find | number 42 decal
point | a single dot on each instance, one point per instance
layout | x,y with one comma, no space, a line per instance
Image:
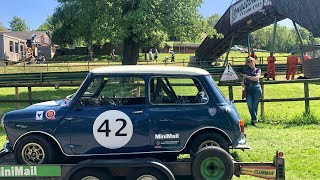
105,127
112,129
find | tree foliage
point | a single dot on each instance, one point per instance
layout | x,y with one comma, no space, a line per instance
212,20
18,24
47,25
136,23
2,28
287,39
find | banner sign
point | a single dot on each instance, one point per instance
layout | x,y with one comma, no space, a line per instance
30,171
245,8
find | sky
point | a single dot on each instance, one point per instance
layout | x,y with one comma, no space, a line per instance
35,12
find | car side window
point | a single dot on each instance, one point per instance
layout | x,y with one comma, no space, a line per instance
177,90
115,91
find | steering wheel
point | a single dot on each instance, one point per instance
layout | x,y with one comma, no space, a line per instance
107,100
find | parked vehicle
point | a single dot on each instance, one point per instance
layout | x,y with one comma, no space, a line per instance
128,110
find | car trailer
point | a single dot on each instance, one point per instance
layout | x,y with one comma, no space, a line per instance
209,163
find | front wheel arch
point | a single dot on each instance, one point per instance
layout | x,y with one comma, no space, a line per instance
55,144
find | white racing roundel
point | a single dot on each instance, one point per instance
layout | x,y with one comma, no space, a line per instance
112,129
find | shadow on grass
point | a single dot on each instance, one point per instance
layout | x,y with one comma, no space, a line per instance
302,119
236,156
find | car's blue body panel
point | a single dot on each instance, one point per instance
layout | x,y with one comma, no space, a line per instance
154,128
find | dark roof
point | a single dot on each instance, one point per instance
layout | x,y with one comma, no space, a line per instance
185,45
23,35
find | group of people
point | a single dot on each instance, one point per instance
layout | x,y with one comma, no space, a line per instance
250,80
155,55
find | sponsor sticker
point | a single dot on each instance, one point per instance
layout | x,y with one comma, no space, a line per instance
166,143
50,114
166,136
212,111
30,171
39,115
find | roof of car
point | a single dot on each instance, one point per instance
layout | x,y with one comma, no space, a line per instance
149,69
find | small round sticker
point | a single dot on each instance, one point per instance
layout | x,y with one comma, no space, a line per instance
112,129
50,114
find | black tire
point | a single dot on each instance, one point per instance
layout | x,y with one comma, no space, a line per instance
40,148
205,139
87,173
212,163
147,172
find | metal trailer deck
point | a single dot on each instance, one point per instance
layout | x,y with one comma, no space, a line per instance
120,168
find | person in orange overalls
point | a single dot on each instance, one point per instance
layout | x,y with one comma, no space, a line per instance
253,55
271,67
306,57
292,62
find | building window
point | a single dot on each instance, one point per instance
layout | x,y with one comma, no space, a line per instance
11,46
22,53
16,47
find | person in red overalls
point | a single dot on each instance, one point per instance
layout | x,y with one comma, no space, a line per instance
253,55
271,67
292,62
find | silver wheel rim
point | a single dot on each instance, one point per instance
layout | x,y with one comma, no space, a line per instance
33,153
89,178
208,143
147,177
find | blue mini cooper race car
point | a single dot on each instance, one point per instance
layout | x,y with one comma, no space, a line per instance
127,110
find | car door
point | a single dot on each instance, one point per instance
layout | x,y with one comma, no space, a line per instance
110,117
181,107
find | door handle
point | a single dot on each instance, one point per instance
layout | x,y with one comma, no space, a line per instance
137,112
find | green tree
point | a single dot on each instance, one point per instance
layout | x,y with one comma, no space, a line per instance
212,20
2,28
137,23
47,25
18,24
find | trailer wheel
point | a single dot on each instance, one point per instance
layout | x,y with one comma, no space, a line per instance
91,174
206,140
34,150
212,163
147,174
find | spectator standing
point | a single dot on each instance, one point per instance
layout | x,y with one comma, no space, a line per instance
253,55
112,54
292,62
271,67
156,54
252,87
150,54
172,56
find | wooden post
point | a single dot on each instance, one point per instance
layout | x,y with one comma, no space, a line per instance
29,95
88,66
24,67
41,78
306,96
262,98
68,67
47,67
230,92
232,61
17,97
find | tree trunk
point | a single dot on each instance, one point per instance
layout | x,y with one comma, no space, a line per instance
90,51
130,52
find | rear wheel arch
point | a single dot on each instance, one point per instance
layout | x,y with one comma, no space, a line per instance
207,131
